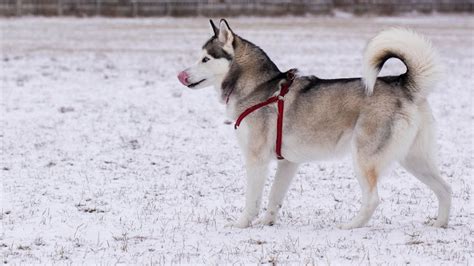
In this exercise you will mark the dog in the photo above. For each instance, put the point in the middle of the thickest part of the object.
(381, 120)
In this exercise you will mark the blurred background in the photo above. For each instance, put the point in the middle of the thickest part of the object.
(142, 8)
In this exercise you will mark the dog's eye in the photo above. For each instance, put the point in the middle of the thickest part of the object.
(205, 59)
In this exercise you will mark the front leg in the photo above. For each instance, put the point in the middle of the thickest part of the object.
(257, 171)
(285, 172)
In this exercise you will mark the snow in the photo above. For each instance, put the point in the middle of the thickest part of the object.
(106, 158)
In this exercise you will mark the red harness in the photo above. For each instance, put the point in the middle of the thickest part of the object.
(284, 88)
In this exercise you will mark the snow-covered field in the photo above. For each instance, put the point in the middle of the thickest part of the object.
(106, 158)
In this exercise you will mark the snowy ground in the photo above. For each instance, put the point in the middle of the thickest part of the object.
(105, 157)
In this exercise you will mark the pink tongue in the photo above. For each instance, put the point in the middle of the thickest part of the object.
(183, 78)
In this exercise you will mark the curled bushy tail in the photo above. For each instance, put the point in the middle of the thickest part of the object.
(415, 51)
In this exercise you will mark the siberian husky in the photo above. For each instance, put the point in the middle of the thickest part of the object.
(381, 120)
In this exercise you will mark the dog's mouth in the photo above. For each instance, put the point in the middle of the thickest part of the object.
(192, 85)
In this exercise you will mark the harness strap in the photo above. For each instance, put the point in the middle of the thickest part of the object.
(253, 108)
(284, 88)
(279, 138)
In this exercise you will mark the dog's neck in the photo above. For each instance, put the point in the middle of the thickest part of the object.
(250, 68)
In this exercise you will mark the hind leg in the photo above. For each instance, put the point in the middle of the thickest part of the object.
(378, 141)
(367, 177)
(421, 163)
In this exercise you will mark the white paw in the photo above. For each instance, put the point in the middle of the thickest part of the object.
(436, 223)
(440, 224)
(349, 226)
(266, 220)
(242, 222)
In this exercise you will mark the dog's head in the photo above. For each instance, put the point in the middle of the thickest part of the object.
(214, 62)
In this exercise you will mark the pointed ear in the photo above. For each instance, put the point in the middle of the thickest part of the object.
(214, 29)
(226, 35)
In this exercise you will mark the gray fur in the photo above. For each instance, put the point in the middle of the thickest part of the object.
(212, 47)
